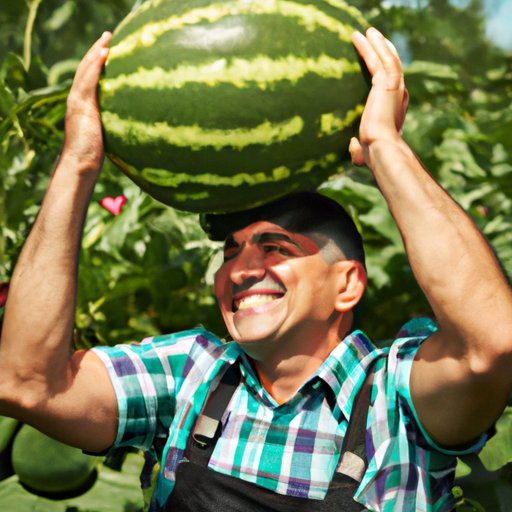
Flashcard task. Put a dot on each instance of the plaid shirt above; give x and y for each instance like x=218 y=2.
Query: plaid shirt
x=293 y=448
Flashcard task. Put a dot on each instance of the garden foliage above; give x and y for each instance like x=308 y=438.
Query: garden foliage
x=148 y=269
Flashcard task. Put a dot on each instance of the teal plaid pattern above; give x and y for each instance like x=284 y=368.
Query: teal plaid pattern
x=162 y=384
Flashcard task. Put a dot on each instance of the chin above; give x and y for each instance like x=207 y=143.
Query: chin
x=253 y=338
x=253 y=342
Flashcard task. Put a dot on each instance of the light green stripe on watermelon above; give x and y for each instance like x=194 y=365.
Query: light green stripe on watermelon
x=331 y=123
x=196 y=137
x=163 y=178
x=349 y=9
x=278 y=174
x=261 y=71
x=134 y=13
x=138 y=11
x=309 y=16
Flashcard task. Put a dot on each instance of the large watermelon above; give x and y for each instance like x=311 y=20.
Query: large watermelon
x=220 y=105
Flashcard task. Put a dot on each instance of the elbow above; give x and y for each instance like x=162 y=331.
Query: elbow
x=491 y=370
x=20 y=395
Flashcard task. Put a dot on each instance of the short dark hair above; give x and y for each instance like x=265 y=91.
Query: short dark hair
x=308 y=213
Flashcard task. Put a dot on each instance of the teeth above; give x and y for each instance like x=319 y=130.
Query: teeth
x=255 y=300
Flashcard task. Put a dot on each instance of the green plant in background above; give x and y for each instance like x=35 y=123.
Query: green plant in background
x=148 y=269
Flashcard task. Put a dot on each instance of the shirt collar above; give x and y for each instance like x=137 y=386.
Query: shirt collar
x=253 y=382
x=345 y=369
x=342 y=373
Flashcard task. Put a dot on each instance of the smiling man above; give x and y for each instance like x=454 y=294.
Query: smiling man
x=299 y=412
x=297 y=264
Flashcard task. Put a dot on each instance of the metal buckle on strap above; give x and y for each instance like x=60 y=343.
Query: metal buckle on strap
x=205 y=430
x=352 y=465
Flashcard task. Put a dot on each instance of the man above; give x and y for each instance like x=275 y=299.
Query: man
x=286 y=289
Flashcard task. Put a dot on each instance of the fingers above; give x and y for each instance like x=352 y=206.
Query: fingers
x=365 y=50
x=83 y=142
x=89 y=70
x=388 y=57
x=356 y=152
x=380 y=56
x=99 y=50
x=387 y=101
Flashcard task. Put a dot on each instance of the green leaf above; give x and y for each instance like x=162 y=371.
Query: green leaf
x=8 y=427
x=60 y=16
x=62 y=70
x=7 y=99
x=13 y=72
x=462 y=469
x=114 y=491
x=498 y=450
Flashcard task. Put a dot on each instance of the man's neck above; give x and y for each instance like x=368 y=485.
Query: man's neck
x=282 y=377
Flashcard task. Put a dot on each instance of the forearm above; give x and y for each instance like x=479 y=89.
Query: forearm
x=460 y=379
x=35 y=351
x=63 y=393
x=39 y=315
x=451 y=260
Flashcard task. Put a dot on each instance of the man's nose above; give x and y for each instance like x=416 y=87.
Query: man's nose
x=249 y=263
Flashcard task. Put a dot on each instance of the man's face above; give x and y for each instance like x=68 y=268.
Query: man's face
x=274 y=284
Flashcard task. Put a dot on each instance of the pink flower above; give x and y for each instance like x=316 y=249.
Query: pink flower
x=483 y=210
x=4 y=290
x=114 y=205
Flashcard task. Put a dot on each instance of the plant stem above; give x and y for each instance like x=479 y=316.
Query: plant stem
x=27 y=39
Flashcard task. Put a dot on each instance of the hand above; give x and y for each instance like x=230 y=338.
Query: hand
x=84 y=141
x=385 y=109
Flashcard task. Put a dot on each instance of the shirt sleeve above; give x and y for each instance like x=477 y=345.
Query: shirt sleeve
x=401 y=356
x=146 y=377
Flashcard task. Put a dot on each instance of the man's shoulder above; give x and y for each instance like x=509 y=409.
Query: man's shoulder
x=197 y=344
x=410 y=335
x=421 y=327
x=192 y=344
x=197 y=336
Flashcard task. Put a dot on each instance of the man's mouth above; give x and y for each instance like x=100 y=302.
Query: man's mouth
x=258 y=294
x=252 y=301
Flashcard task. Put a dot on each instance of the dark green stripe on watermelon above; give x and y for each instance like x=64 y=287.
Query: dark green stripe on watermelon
x=246 y=36
x=201 y=198
x=327 y=96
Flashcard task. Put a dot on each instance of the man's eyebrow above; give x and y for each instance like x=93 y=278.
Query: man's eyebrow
x=270 y=236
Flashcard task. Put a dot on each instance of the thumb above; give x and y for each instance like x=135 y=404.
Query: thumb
x=356 y=152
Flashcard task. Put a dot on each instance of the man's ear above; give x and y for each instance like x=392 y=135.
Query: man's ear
x=351 y=279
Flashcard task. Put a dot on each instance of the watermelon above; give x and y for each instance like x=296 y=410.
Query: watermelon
x=220 y=106
x=48 y=466
x=8 y=428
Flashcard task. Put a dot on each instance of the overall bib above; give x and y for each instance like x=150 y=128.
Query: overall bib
x=200 y=489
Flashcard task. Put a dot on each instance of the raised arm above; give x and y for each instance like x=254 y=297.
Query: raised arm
x=461 y=377
x=42 y=382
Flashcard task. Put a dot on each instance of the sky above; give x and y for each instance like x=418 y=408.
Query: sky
x=498 y=18
x=499 y=21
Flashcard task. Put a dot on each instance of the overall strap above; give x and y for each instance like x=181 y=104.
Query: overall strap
x=208 y=424
x=353 y=459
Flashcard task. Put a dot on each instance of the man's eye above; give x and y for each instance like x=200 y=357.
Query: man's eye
x=267 y=249
x=230 y=253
